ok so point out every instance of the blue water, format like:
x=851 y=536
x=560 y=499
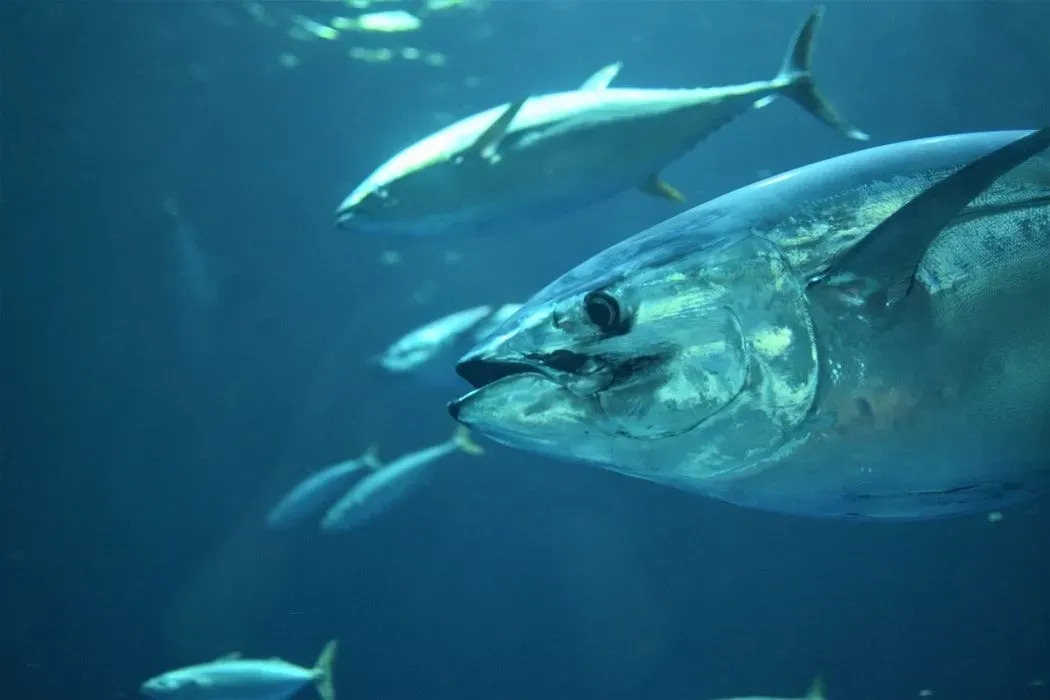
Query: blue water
x=148 y=426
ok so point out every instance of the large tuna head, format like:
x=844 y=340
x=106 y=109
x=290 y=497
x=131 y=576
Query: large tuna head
x=674 y=356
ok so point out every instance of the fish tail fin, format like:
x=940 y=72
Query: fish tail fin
x=796 y=80
x=370 y=456
x=816 y=690
x=323 y=669
x=464 y=442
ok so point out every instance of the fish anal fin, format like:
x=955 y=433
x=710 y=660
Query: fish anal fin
x=657 y=187
x=601 y=78
x=486 y=146
x=882 y=264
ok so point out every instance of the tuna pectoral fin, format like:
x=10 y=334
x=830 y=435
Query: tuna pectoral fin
x=601 y=79
x=816 y=689
x=889 y=255
x=323 y=671
x=658 y=188
x=486 y=146
x=796 y=80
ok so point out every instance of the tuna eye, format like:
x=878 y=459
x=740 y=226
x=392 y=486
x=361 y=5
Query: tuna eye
x=604 y=312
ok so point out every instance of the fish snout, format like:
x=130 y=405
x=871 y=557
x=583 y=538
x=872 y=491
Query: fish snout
x=344 y=216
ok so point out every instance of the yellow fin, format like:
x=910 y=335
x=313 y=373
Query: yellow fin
x=464 y=442
x=323 y=669
x=658 y=188
x=816 y=689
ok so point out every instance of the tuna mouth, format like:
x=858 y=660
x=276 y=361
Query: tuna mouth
x=481 y=373
x=343 y=217
x=556 y=366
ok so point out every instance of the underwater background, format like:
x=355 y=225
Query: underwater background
x=185 y=334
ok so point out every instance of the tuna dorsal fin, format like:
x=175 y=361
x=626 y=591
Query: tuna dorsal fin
x=486 y=146
x=601 y=79
x=887 y=258
x=655 y=186
x=230 y=656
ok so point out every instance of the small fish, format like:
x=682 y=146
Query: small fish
x=319 y=490
x=427 y=354
x=306 y=27
x=374 y=494
x=861 y=337
x=233 y=678
x=815 y=692
x=422 y=344
x=387 y=21
x=198 y=282
x=539 y=157
x=493 y=322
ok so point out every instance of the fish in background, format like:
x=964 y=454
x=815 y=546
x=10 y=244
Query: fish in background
x=862 y=337
x=815 y=692
x=319 y=490
x=198 y=286
x=390 y=484
x=233 y=678
x=428 y=353
x=540 y=157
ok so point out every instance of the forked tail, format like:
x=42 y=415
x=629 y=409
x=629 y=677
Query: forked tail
x=323 y=671
x=796 y=76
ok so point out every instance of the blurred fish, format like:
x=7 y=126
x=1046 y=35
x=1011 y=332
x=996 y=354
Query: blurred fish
x=386 y=21
x=815 y=692
x=198 y=285
x=542 y=156
x=442 y=5
x=233 y=678
x=305 y=27
x=319 y=490
x=429 y=352
x=862 y=337
x=492 y=322
x=422 y=344
x=374 y=494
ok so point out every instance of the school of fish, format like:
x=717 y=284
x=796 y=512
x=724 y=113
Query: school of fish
x=816 y=343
